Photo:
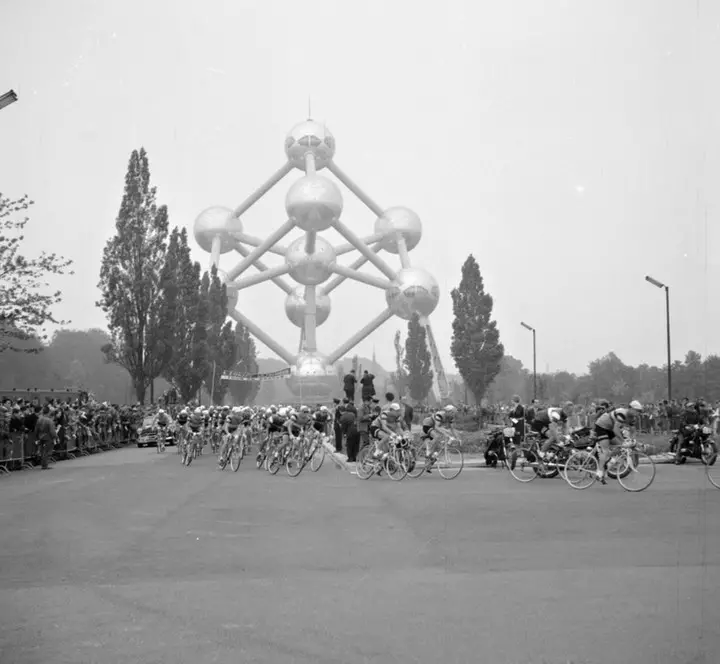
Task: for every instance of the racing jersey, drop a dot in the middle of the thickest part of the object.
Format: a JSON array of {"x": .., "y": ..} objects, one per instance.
[
  {"x": 388, "y": 419},
  {"x": 545, "y": 416},
  {"x": 276, "y": 423},
  {"x": 233, "y": 421},
  {"x": 162, "y": 420},
  {"x": 612, "y": 418},
  {"x": 196, "y": 422}
]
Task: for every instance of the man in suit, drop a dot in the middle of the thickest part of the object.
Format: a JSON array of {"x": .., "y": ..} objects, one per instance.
[{"x": 349, "y": 383}]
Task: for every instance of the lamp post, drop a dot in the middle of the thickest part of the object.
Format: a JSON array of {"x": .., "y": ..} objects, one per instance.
[
  {"x": 532, "y": 329},
  {"x": 8, "y": 98},
  {"x": 657, "y": 284}
]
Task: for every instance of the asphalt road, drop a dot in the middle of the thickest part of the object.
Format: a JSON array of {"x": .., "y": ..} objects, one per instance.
[{"x": 129, "y": 557}]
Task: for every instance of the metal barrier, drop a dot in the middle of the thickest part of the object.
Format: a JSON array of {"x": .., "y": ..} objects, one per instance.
[{"x": 18, "y": 450}]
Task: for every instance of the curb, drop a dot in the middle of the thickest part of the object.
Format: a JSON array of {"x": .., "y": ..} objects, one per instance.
[{"x": 340, "y": 460}]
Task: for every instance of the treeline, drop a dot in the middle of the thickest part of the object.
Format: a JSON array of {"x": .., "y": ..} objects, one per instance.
[
  {"x": 166, "y": 318},
  {"x": 607, "y": 377}
]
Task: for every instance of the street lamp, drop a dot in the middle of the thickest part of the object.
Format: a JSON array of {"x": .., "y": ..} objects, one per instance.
[
  {"x": 532, "y": 329},
  {"x": 657, "y": 284},
  {"x": 8, "y": 98}
]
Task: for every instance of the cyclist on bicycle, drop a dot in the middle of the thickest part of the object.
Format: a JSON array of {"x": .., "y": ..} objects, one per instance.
[
  {"x": 276, "y": 425},
  {"x": 195, "y": 423},
  {"x": 388, "y": 423},
  {"x": 231, "y": 423},
  {"x": 608, "y": 427},
  {"x": 436, "y": 427},
  {"x": 549, "y": 422},
  {"x": 320, "y": 420}
]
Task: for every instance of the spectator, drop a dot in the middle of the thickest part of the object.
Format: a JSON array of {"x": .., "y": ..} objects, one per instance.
[
  {"x": 368, "y": 387},
  {"x": 337, "y": 430},
  {"x": 45, "y": 435},
  {"x": 365, "y": 416},
  {"x": 348, "y": 428},
  {"x": 349, "y": 383}
]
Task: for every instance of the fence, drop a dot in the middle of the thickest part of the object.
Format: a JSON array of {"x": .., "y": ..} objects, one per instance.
[{"x": 18, "y": 450}]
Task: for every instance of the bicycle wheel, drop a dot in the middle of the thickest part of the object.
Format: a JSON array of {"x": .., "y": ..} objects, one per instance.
[
  {"x": 521, "y": 464},
  {"x": 394, "y": 467},
  {"x": 318, "y": 457},
  {"x": 365, "y": 467},
  {"x": 450, "y": 462},
  {"x": 294, "y": 463},
  {"x": 642, "y": 471},
  {"x": 235, "y": 457},
  {"x": 274, "y": 461},
  {"x": 712, "y": 470},
  {"x": 581, "y": 470},
  {"x": 419, "y": 461}
]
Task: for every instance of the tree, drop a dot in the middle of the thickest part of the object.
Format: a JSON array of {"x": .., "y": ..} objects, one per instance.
[
  {"x": 399, "y": 376},
  {"x": 417, "y": 361},
  {"x": 130, "y": 277},
  {"x": 180, "y": 302},
  {"x": 244, "y": 392},
  {"x": 476, "y": 346},
  {"x": 25, "y": 303},
  {"x": 220, "y": 335}
]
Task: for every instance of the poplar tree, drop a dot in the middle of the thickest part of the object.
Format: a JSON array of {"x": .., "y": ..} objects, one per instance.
[
  {"x": 130, "y": 276},
  {"x": 476, "y": 346},
  {"x": 417, "y": 361}
]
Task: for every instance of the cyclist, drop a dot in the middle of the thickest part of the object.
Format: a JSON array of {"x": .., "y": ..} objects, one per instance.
[
  {"x": 195, "y": 422},
  {"x": 231, "y": 423},
  {"x": 321, "y": 420},
  {"x": 438, "y": 426},
  {"x": 548, "y": 422},
  {"x": 608, "y": 427},
  {"x": 388, "y": 423}
]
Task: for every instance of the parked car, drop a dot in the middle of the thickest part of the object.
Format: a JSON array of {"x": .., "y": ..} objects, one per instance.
[{"x": 148, "y": 434}]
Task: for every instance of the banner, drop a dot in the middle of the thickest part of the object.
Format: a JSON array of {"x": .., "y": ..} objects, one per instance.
[{"x": 273, "y": 375}]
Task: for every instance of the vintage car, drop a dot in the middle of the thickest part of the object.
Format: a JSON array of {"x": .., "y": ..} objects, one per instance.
[{"x": 147, "y": 434}]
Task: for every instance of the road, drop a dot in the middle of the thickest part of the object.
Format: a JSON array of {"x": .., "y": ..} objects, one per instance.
[{"x": 128, "y": 557}]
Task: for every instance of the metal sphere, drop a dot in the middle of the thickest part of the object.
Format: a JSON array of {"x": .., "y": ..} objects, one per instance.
[
  {"x": 295, "y": 305},
  {"x": 403, "y": 220},
  {"x": 314, "y": 203},
  {"x": 230, "y": 288},
  {"x": 310, "y": 269},
  {"x": 213, "y": 222},
  {"x": 413, "y": 291},
  {"x": 311, "y": 376},
  {"x": 309, "y": 136}
]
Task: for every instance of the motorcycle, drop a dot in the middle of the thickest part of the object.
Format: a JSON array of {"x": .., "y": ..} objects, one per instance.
[{"x": 697, "y": 444}]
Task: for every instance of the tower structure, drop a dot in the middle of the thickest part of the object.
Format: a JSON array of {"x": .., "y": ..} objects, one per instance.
[{"x": 314, "y": 204}]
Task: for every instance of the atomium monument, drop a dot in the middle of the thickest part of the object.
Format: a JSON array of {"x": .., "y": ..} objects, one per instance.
[{"x": 314, "y": 204}]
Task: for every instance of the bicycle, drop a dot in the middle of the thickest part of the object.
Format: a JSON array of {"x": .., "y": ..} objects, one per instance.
[
  {"x": 625, "y": 464},
  {"x": 526, "y": 462},
  {"x": 712, "y": 470},
  {"x": 369, "y": 464},
  {"x": 448, "y": 459},
  {"x": 190, "y": 448},
  {"x": 233, "y": 454}
]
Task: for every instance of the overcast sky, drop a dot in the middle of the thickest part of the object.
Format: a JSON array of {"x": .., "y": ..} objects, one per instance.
[{"x": 571, "y": 146}]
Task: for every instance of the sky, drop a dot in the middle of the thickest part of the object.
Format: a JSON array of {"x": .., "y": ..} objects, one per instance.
[{"x": 571, "y": 147}]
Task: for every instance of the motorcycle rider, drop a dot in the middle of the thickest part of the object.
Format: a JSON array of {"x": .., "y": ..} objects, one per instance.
[
  {"x": 690, "y": 416},
  {"x": 608, "y": 427}
]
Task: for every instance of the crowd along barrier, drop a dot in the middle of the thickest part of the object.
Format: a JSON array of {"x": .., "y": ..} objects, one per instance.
[{"x": 18, "y": 450}]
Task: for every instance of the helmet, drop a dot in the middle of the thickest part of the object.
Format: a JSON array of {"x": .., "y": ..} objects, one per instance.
[
  {"x": 395, "y": 406},
  {"x": 198, "y": 411},
  {"x": 304, "y": 409},
  {"x": 450, "y": 408},
  {"x": 323, "y": 409},
  {"x": 636, "y": 405},
  {"x": 620, "y": 416},
  {"x": 161, "y": 412},
  {"x": 269, "y": 411},
  {"x": 554, "y": 416},
  {"x": 273, "y": 409},
  {"x": 226, "y": 408},
  {"x": 283, "y": 412}
]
